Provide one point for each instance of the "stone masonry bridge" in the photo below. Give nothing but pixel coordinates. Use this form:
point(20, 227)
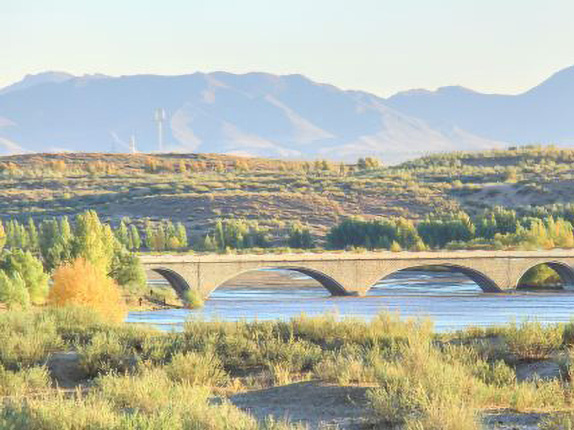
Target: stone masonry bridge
point(348, 273)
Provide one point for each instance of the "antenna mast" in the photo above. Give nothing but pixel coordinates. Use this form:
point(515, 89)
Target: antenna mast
point(160, 118)
point(133, 149)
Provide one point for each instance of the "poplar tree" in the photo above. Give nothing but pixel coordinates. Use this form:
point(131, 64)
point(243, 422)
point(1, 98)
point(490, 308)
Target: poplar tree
point(135, 239)
point(149, 235)
point(219, 235)
point(94, 241)
point(209, 244)
point(55, 242)
point(122, 234)
point(181, 233)
point(32, 235)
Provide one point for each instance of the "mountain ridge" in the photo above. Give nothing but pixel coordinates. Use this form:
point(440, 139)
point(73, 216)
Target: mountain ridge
point(262, 114)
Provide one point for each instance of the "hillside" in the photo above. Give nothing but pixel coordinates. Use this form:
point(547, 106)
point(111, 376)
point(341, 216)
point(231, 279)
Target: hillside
point(198, 189)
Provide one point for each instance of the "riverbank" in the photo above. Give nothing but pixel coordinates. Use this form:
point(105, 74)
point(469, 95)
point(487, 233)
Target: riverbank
point(66, 368)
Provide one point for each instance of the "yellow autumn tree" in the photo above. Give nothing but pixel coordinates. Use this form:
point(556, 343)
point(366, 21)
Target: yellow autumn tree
point(81, 283)
point(2, 236)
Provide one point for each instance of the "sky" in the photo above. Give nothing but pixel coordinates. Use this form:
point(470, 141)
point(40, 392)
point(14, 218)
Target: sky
point(380, 46)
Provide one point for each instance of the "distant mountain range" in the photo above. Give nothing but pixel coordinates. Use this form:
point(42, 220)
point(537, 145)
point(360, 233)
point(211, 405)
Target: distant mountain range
point(274, 116)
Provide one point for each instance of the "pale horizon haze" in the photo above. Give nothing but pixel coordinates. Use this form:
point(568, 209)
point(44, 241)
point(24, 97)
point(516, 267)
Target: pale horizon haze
point(504, 46)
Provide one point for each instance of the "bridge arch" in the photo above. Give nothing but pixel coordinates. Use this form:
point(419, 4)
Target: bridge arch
point(485, 283)
point(175, 280)
point(329, 283)
point(564, 271)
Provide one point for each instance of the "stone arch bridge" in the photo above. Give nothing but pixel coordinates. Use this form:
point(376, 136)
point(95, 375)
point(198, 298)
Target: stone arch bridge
point(348, 273)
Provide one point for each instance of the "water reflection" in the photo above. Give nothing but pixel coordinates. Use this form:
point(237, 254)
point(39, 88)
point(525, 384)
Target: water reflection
point(451, 300)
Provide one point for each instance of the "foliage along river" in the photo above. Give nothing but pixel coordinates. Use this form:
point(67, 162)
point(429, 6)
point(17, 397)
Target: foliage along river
point(452, 301)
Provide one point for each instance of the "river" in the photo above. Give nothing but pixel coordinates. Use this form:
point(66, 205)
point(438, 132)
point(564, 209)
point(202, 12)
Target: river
point(452, 301)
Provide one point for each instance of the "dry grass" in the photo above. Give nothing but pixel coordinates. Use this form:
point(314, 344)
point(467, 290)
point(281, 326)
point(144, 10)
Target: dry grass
point(146, 379)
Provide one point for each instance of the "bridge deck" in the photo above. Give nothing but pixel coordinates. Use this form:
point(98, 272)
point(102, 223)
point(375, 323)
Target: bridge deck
point(354, 256)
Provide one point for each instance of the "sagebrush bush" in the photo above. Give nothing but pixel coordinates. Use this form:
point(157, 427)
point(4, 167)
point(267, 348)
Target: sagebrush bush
point(559, 422)
point(551, 395)
point(26, 338)
point(23, 382)
point(197, 369)
point(531, 340)
point(105, 353)
point(145, 379)
point(344, 368)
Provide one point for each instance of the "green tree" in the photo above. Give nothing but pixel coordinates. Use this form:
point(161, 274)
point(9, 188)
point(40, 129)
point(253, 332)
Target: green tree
point(127, 270)
point(181, 234)
point(94, 241)
point(122, 234)
point(299, 236)
point(55, 242)
point(149, 235)
point(13, 292)
point(30, 270)
point(135, 239)
point(33, 239)
point(219, 235)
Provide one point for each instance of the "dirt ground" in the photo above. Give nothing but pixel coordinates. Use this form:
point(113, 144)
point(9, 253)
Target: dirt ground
point(325, 407)
point(320, 406)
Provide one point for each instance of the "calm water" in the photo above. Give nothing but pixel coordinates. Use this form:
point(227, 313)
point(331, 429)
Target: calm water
point(452, 301)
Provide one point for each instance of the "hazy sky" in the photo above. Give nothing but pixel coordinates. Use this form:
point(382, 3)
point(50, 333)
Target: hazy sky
point(381, 46)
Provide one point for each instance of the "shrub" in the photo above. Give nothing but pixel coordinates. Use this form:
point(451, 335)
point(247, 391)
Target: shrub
point(568, 337)
point(197, 369)
point(424, 390)
point(559, 422)
point(23, 382)
point(26, 338)
point(193, 299)
point(80, 283)
point(396, 399)
point(530, 340)
point(104, 354)
point(345, 369)
point(538, 394)
point(295, 355)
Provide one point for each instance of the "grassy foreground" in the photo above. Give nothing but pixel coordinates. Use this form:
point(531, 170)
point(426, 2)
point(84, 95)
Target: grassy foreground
point(129, 377)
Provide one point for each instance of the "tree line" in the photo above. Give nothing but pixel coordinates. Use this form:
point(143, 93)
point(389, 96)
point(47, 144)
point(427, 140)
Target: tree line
point(496, 228)
point(51, 237)
point(29, 255)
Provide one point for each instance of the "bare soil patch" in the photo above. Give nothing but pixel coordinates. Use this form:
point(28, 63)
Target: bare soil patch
point(319, 405)
point(65, 369)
